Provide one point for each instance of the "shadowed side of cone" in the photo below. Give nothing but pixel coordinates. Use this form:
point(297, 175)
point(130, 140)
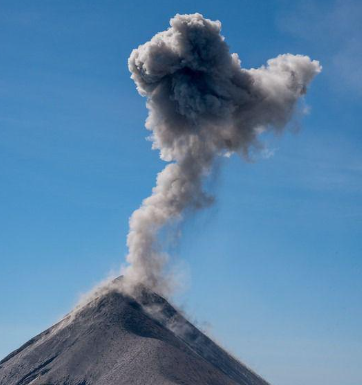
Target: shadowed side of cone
point(118, 340)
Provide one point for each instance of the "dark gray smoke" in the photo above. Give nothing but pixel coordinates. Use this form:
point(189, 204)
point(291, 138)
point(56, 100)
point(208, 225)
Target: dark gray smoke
point(202, 104)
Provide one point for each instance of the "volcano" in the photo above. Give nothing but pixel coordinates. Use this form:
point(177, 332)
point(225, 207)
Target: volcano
point(117, 339)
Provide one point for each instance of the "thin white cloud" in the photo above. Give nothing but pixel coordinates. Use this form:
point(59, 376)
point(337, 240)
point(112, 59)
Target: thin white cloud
point(335, 30)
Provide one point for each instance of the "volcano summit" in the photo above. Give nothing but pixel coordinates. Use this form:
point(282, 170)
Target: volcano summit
point(118, 340)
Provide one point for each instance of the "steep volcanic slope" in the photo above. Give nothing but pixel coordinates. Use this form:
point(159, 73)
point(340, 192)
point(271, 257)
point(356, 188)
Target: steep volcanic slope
point(116, 340)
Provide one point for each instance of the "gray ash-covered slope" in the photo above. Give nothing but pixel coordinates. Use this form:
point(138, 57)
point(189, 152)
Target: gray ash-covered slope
point(117, 340)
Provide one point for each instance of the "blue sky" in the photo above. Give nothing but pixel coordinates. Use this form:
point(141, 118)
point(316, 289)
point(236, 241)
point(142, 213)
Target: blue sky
point(273, 270)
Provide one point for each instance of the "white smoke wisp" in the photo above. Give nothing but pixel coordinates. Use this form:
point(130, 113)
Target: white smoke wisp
point(202, 104)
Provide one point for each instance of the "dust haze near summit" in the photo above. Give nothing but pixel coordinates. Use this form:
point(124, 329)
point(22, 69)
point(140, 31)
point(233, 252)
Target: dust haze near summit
point(202, 104)
point(118, 340)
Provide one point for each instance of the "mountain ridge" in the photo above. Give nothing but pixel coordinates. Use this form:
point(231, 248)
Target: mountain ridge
point(118, 340)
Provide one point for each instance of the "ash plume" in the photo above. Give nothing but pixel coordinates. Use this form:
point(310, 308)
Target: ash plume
point(202, 104)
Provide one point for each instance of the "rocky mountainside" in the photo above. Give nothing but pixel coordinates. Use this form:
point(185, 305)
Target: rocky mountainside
point(117, 340)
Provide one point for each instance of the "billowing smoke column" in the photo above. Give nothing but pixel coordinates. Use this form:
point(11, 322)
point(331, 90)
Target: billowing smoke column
point(202, 104)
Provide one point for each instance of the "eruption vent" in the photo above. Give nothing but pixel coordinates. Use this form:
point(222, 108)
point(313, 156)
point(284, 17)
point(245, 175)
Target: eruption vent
point(202, 104)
